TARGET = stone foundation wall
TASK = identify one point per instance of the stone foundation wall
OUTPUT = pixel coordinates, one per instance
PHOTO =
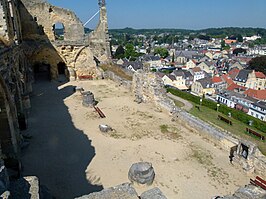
(148, 87)
(122, 82)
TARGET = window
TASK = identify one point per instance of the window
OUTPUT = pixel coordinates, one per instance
(59, 31)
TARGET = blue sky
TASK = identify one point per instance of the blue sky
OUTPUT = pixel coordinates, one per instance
(183, 14)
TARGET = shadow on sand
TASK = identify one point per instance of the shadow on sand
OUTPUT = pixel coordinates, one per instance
(59, 154)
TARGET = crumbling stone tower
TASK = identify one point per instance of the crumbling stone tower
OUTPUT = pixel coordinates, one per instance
(74, 51)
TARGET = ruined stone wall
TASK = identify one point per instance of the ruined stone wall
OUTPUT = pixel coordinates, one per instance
(76, 51)
(120, 81)
(148, 87)
(99, 39)
(47, 15)
(6, 25)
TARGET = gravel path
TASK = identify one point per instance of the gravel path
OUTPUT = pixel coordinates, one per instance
(188, 106)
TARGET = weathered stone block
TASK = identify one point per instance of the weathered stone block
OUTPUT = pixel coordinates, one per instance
(154, 193)
(141, 173)
(123, 191)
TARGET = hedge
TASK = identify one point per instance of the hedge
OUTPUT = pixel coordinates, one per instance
(236, 114)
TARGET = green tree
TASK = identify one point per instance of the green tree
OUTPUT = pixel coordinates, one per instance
(161, 51)
(239, 50)
(258, 64)
(120, 52)
(130, 52)
(239, 38)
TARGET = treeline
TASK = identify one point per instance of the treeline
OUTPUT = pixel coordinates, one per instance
(213, 32)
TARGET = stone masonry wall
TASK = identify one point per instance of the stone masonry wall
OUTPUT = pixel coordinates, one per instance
(147, 87)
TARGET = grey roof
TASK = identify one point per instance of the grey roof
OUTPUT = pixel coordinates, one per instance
(260, 104)
(172, 77)
(208, 63)
(233, 95)
(178, 73)
(188, 74)
(205, 82)
(186, 54)
(150, 58)
(198, 56)
(135, 64)
(242, 75)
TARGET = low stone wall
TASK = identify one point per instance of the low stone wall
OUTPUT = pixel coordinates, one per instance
(255, 160)
(148, 87)
(122, 82)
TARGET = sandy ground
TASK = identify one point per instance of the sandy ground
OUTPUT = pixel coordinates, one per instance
(72, 157)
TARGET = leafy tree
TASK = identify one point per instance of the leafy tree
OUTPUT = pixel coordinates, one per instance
(258, 64)
(239, 50)
(222, 44)
(173, 58)
(239, 38)
(204, 37)
(130, 52)
(161, 51)
(120, 52)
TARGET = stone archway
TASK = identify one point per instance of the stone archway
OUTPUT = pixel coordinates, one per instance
(48, 58)
(85, 65)
(8, 122)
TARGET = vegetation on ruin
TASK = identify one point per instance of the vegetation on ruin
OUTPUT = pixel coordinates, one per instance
(116, 70)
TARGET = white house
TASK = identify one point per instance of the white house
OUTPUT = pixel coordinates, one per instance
(258, 110)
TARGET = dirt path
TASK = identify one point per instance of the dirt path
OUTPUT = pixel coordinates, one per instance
(188, 106)
(72, 157)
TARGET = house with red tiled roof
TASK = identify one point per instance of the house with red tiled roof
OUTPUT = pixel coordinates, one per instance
(235, 87)
(261, 80)
(256, 94)
(218, 83)
(227, 79)
(233, 73)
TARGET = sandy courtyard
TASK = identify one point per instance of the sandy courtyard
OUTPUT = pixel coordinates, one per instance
(186, 164)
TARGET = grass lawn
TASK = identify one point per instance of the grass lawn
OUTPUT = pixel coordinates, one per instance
(238, 128)
(179, 104)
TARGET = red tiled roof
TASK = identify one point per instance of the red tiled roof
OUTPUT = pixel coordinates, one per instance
(234, 86)
(228, 80)
(233, 73)
(258, 94)
(260, 75)
(216, 79)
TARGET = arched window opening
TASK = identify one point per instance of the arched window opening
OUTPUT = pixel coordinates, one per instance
(61, 67)
(42, 71)
(59, 31)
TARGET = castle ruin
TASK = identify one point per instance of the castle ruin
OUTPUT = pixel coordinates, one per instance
(29, 44)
